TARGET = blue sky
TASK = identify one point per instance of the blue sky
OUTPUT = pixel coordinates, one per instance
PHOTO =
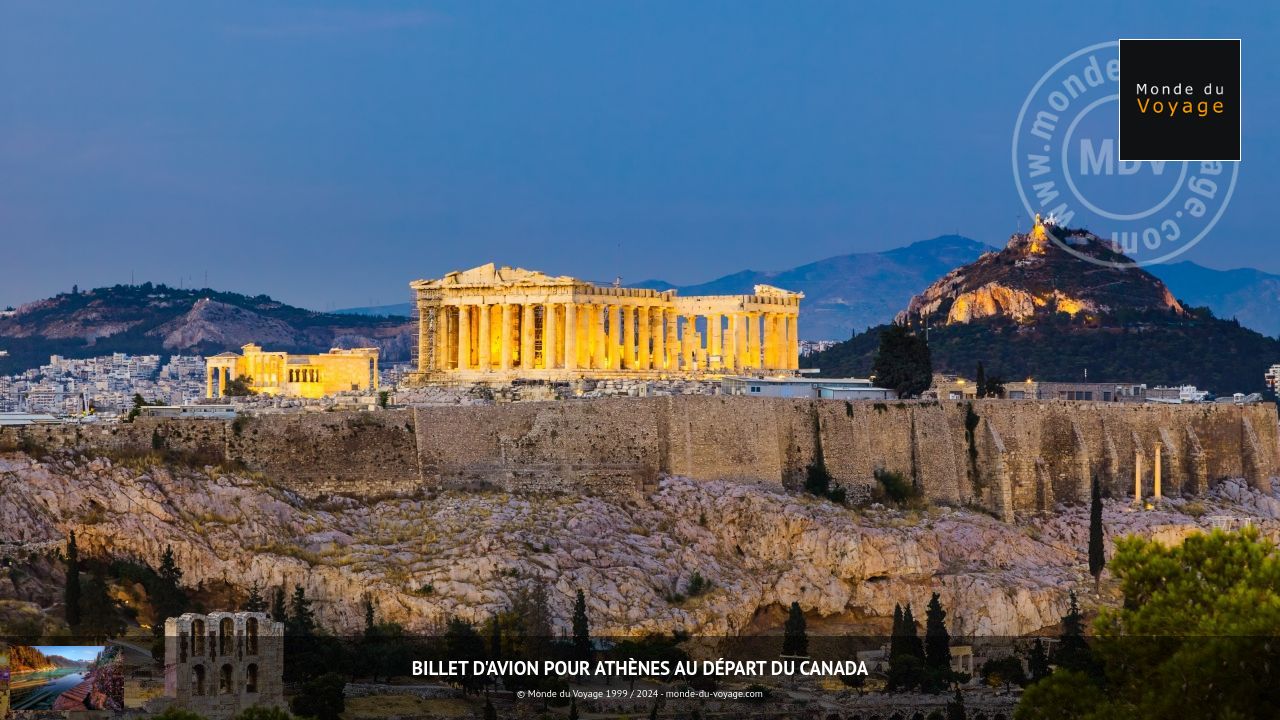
(328, 153)
(85, 653)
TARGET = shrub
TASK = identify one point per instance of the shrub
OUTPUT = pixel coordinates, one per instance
(895, 487)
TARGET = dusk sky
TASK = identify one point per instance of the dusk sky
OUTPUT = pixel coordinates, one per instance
(327, 154)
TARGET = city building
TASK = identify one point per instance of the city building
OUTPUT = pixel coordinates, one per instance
(952, 387)
(802, 387)
(1273, 378)
(1177, 395)
(492, 324)
(282, 373)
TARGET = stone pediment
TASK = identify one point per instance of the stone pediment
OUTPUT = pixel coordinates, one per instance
(490, 275)
(771, 291)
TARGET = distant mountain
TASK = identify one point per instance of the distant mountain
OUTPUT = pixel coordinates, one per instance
(155, 319)
(24, 658)
(848, 292)
(1034, 310)
(396, 310)
(1248, 295)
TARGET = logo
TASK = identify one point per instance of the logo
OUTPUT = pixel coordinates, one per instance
(1067, 167)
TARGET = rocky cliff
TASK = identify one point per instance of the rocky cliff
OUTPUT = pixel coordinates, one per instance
(458, 553)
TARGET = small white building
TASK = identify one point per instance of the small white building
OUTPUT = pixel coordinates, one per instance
(21, 418)
(1273, 378)
(792, 387)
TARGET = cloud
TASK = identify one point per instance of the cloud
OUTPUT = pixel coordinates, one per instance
(329, 22)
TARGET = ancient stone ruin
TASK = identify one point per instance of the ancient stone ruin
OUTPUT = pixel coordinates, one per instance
(219, 664)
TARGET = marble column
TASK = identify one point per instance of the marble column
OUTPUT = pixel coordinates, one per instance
(485, 343)
(599, 341)
(444, 338)
(208, 381)
(658, 330)
(527, 323)
(628, 337)
(673, 340)
(614, 360)
(715, 344)
(464, 337)
(505, 339)
(642, 342)
(730, 344)
(753, 340)
(424, 320)
(769, 340)
(793, 341)
(570, 336)
(550, 346)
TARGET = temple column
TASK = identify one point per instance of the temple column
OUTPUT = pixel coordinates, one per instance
(527, 322)
(444, 338)
(549, 340)
(628, 337)
(715, 345)
(570, 336)
(673, 340)
(208, 381)
(688, 339)
(615, 337)
(484, 342)
(730, 343)
(753, 340)
(223, 376)
(464, 337)
(793, 341)
(505, 338)
(658, 334)
(599, 341)
(642, 343)
(768, 339)
(424, 337)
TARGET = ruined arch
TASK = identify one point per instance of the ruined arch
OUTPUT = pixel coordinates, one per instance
(226, 636)
(226, 680)
(197, 680)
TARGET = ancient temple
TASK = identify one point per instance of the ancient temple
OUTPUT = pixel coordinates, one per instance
(273, 372)
(501, 324)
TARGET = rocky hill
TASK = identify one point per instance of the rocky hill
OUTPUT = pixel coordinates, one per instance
(1033, 309)
(23, 658)
(465, 554)
(155, 319)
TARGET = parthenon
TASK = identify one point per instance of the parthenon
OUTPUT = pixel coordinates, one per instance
(497, 324)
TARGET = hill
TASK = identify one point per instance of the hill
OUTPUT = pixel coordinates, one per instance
(24, 658)
(1035, 310)
(1248, 295)
(156, 319)
(852, 291)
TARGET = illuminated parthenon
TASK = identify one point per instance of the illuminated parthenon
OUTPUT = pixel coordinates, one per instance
(502, 324)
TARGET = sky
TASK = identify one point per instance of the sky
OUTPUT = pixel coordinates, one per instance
(329, 153)
(82, 653)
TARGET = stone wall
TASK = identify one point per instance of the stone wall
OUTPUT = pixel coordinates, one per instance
(1008, 456)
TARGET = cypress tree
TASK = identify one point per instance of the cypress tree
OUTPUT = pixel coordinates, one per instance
(368, 616)
(1097, 554)
(1038, 662)
(581, 628)
(955, 708)
(911, 634)
(302, 621)
(895, 639)
(795, 640)
(278, 612)
(255, 602)
(71, 596)
(981, 381)
(937, 645)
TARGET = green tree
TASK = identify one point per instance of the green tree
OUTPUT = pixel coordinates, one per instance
(1193, 638)
(937, 646)
(581, 629)
(463, 643)
(367, 601)
(906, 654)
(301, 620)
(1097, 551)
(255, 602)
(240, 386)
(98, 612)
(903, 363)
(980, 381)
(278, 611)
(71, 593)
(1037, 662)
(1003, 671)
(795, 639)
(321, 698)
(1073, 651)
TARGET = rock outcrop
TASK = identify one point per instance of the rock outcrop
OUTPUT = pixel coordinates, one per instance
(427, 557)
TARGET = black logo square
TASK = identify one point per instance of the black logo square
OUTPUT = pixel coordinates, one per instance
(1179, 99)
